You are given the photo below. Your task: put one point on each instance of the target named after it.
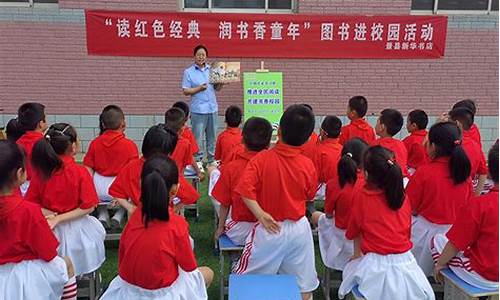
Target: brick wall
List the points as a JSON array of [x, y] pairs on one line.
[[349, 7]]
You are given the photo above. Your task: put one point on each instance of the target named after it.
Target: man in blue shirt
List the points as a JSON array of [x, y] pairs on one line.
[[195, 83]]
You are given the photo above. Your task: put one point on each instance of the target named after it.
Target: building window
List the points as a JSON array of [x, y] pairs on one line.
[[464, 6], [238, 5], [25, 2]]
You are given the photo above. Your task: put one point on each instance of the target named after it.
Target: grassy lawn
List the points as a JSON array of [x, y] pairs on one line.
[[202, 233]]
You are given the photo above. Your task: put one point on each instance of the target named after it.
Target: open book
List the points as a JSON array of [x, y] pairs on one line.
[[225, 72]]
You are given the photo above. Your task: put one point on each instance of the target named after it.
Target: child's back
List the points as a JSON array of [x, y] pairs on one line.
[[358, 127], [231, 137], [416, 125]]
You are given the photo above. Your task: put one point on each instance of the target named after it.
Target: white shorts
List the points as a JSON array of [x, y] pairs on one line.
[[24, 187], [291, 251], [335, 249], [214, 177], [102, 184], [82, 240], [238, 232], [33, 279], [394, 276], [188, 286], [422, 232], [460, 265]]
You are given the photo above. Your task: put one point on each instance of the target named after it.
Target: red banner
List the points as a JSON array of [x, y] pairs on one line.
[[265, 35]]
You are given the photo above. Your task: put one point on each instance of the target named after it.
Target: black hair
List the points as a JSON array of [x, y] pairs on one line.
[[467, 103], [493, 163], [463, 115], [57, 141], [29, 115], [418, 117], [447, 139], [331, 125], [308, 106], [175, 119], [111, 118], [350, 161], [233, 116], [13, 130], [257, 134], [359, 104], [11, 160], [159, 140], [183, 106], [392, 120], [198, 48], [384, 173], [158, 176], [296, 124]]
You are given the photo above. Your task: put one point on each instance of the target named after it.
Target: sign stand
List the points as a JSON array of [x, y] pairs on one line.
[[262, 70]]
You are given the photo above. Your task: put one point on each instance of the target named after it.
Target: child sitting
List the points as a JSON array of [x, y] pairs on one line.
[[106, 157], [380, 223], [29, 265], [473, 131], [438, 190], [235, 220], [335, 250], [66, 193], [309, 147], [470, 248], [13, 130], [327, 152], [155, 256], [416, 124], [356, 111]]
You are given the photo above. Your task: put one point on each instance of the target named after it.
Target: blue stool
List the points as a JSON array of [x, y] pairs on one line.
[[263, 287], [457, 289], [226, 246]]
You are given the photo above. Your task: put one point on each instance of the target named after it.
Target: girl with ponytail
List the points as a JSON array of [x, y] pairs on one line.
[[66, 193], [168, 269], [382, 266], [335, 249], [29, 265], [438, 190]]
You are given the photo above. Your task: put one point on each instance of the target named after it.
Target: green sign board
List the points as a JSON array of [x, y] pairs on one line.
[[263, 96]]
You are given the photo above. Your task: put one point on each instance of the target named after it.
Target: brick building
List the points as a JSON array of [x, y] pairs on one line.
[[43, 58]]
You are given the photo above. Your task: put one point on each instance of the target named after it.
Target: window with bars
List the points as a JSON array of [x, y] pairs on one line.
[[283, 5], [455, 5]]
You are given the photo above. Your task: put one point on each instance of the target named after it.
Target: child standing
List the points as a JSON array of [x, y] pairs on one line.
[[383, 266], [335, 250], [235, 219], [388, 125], [438, 190], [32, 124], [470, 247], [275, 186], [67, 195], [356, 111], [106, 157], [155, 256], [416, 124], [29, 265]]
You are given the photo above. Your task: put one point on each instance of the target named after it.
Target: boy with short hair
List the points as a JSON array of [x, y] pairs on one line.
[[257, 134], [107, 155], [416, 125], [388, 125], [356, 111], [186, 131], [473, 131], [229, 139], [275, 186], [327, 152]]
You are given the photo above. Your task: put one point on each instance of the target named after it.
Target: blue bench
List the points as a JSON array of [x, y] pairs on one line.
[[226, 246], [457, 289], [263, 287]]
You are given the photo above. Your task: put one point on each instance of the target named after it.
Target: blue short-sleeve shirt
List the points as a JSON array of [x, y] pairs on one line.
[[203, 102]]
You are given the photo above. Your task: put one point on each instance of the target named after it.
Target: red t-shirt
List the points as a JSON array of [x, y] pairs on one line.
[[27, 141], [357, 128], [68, 188], [309, 148], [280, 180], [326, 157], [338, 201], [433, 194], [226, 141], [474, 133], [150, 257], [417, 154], [381, 229], [183, 154], [127, 185], [110, 152], [25, 232], [187, 133], [475, 154], [399, 150], [476, 233], [224, 188]]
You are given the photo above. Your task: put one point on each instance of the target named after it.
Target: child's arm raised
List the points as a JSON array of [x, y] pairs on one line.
[[263, 217]]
